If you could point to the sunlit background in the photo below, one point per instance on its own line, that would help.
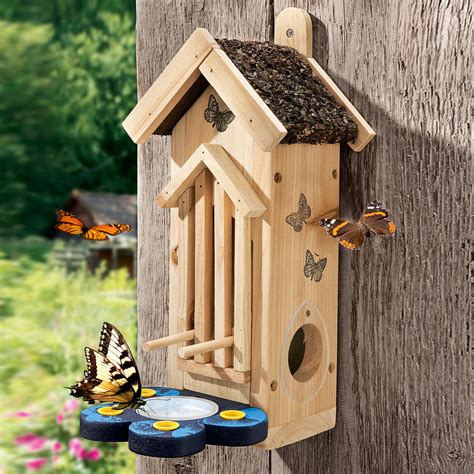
(67, 80)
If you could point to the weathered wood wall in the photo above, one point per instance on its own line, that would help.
(403, 375)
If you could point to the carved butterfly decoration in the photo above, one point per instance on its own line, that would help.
(219, 119)
(298, 219)
(314, 266)
(353, 234)
(112, 374)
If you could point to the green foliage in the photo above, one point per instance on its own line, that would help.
(46, 319)
(68, 81)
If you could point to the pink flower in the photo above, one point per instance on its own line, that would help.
(55, 459)
(71, 405)
(56, 447)
(37, 444)
(81, 453)
(75, 445)
(94, 454)
(25, 439)
(21, 414)
(59, 418)
(36, 464)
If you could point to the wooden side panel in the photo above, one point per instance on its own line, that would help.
(203, 275)
(242, 294)
(223, 274)
(291, 298)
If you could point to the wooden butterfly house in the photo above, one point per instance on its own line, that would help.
(256, 132)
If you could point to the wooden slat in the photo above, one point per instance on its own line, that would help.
(241, 98)
(365, 133)
(213, 157)
(185, 271)
(223, 276)
(170, 87)
(205, 347)
(293, 28)
(203, 281)
(210, 370)
(242, 293)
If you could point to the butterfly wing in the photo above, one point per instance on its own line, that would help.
(222, 120)
(303, 208)
(114, 346)
(295, 220)
(351, 235)
(376, 218)
(212, 109)
(101, 232)
(69, 223)
(112, 374)
(319, 268)
(103, 381)
(309, 265)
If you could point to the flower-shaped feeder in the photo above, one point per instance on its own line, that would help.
(176, 423)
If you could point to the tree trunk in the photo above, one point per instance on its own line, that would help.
(403, 366)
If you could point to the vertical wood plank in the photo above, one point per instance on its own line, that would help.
(223, 276)
(162, 28)
(186, 261)
(203, 267)
(242, 293)
(403, 401)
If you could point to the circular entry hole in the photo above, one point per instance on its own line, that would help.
(304, 353)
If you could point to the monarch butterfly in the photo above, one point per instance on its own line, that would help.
(352, 234)
(70, 224)
(112, 374)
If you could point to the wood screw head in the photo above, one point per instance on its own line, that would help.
(332, 367)
(289, 33)
(277, 177)
(274, 385)
(334, 174)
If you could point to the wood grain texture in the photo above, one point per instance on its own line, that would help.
(162, 28)
(403, 402)
(403, 367)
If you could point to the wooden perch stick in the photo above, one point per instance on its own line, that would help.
(203, 347)
(169, 340)
(327, 215)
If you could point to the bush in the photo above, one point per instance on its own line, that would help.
(46, 319)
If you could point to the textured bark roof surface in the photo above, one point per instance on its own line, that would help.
(284, 80)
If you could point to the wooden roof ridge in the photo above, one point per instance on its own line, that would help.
(220, 164)
(182, 81)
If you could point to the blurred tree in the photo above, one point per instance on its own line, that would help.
(68, 80)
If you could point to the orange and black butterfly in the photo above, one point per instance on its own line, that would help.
(70, 224)
(352, 234)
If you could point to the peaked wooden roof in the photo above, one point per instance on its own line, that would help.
(251, 94)
(218, 162)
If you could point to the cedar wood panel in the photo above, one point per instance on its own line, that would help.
(403, 373)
